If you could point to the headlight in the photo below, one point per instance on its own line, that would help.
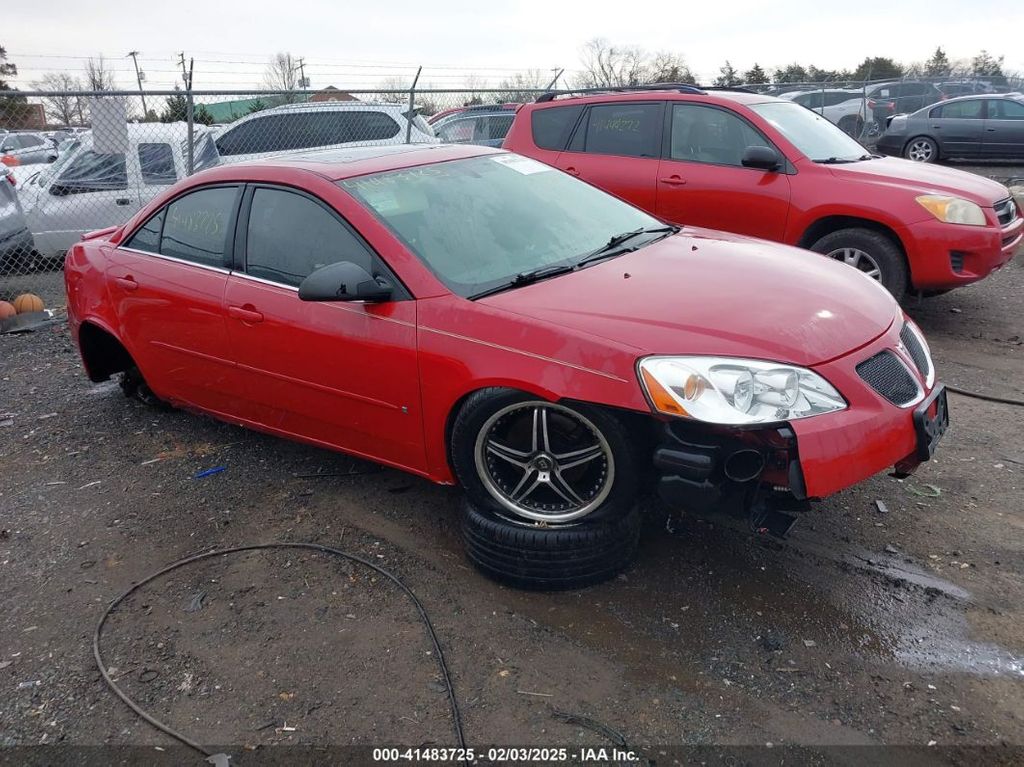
(953, 210)
(728, 390)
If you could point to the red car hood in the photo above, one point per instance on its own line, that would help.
(920, 178)
(705, 292)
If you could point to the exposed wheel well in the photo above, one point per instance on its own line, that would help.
(830, 224)
(102, 353)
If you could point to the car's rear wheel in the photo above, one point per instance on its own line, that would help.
(872, 253)
(921, 149)
(549, 487)
(852, 125)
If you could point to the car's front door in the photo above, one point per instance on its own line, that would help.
(1004, 129)
(958, 127)
(166, 284)
(702, 181)
(342, 374)
(617, 147)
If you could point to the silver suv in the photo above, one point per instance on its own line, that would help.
(27, 148)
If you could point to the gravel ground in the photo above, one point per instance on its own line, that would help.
(861, 629)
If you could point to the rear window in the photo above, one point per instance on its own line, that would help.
(551, 126)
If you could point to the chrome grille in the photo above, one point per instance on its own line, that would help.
(916, 350)
(1006, 211)
(889, 377)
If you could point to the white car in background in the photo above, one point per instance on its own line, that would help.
(86, 190)
(321, 125)
(846, 108)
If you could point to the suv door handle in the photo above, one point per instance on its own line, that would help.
(126, 283)
(673, 180)
(572, 171)
(245, 313)
(122, 201)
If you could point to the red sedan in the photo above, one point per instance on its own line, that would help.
(477, 317)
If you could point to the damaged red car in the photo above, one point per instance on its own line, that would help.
(476, 317)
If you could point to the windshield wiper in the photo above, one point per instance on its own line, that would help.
(841, 160)
(525, 278)
(614, 245)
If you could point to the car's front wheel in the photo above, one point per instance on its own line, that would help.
(921, 149)
(550, 487)
(871, 252)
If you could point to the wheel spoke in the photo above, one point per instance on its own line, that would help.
(578, 457)
(518, 494)
(541, 440)
(851, 256)
(564, 489)
(506, 453)
(874, 274)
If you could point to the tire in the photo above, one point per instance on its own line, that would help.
(921, 149)
(614, 497)
(135, 387)
(852, 125)
(549, 558)
(872, 252)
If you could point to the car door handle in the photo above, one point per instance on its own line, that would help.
(673, 180)
(245, 314)
(991, 130)
(122, 201)
(127, 283)
(572, 171)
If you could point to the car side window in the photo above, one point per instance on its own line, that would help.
(626, 129)
(1005, 109)
(147, 236)
(963, 110)
(706, 134)
(197, 225)
(156, 161)
(250, 137)
(551, 126)
(456, 131)
(94, 172)
(290, 236)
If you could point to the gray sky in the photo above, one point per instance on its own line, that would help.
(360, 43)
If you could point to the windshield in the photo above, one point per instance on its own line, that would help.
(64, 155)
(480, 222)
(811, 133)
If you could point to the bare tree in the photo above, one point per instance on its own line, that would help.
(61, 109)
(474, 83)
(97, 76)
(666, 67)
(522, 86)
(282, 74)
(394, 84)
(611, 66)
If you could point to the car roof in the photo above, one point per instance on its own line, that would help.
(337, 164)
(668, 93)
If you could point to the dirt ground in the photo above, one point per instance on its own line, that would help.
(862, 629)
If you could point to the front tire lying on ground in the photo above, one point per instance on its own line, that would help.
(551, 489)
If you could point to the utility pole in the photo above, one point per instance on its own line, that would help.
(139, 76)
(185, 78)
(558, 73)
(301, 66)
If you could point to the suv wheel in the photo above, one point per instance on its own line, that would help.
(551, 489)
(921, 149)
(870, 252)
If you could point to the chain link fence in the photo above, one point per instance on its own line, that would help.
(76, 161)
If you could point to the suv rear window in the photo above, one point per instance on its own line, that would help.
(551, 126)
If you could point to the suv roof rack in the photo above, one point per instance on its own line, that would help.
(681, 87)
(733, 88)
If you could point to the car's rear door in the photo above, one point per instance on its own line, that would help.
(617, 146)
(1004, 129)
(958, 126)
(702, 182)
(342, 374)
(166, 284)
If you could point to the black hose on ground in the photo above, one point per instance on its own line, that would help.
(139, 711)
(986, 397)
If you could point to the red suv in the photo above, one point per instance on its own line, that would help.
(756, 165)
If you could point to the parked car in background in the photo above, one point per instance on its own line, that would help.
(971, 127)
(26, 148)
(845, 107)
(886, 100)
(16, 244)
(964, 88)
(484, 125)
(86, 190)
(765, 167)
(461, 313)
(297, 127)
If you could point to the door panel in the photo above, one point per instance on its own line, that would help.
(1004, 129)
(343, 374)
(702, 182)
(616, 147)
(958, 127)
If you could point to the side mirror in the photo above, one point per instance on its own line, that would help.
(762, 157)
(344, 281)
